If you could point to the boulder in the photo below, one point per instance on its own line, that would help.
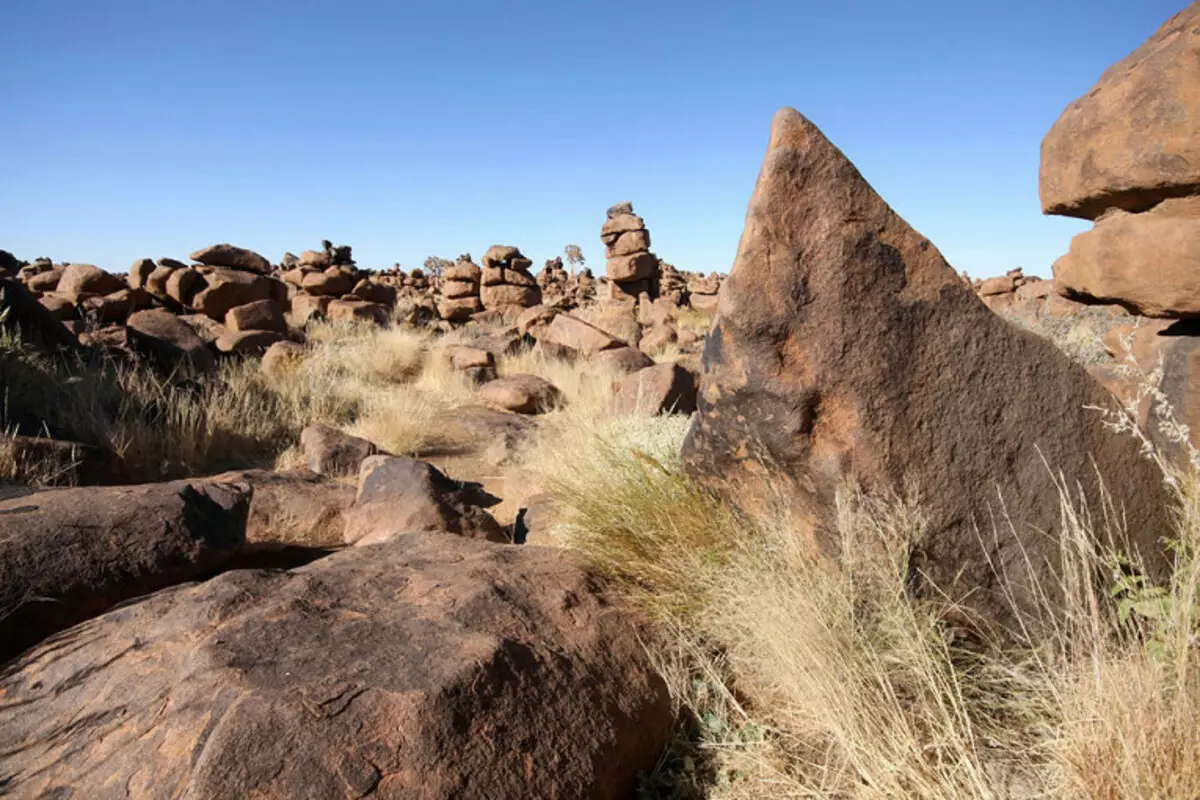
(333, 282)
(329, 451)
(168, 341)
(292, 510)
(261, 315)
(459, 310)
(1036, 289)
(378, 293)
(463, 271)
(534, 320)
(637, 267)
(386, 671)
(358, 311)
(845, 348)
(622, 360)
(1149, 263)
(1134, 139)
(661, 389)
(319, 259)
(524, 394)
(46, 281)
(115, 307)
(139, 272)
(156, 282)
(21, 313)
(1001, 285)
(281, 358)
(247, 342)
(61, 306)
(658, 338)
(402, 495)
(228, 255)
(509, 295)
(495, 276)
(453, 290)
(629, 243)
(615, 226)
(182, 286)
(209, 330)
(306, 306)
(79, 280)
(577, 336)
(67, 555)
(230, 288)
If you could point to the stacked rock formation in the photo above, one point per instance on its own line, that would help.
(507, 286)
(632, 269)
(1005, 291)
(460, 291)
(554, 281)
(326, 283)
(702, 290)
(672, 284)
(1127, 156)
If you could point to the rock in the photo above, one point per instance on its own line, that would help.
(459, 310)
(463, 271)
(320, 259)
(67, 555)
(156, 283)
(1001, 285)
(247, 342)
(333, 282)
(618, 319)
(1034, 290)
(453, 290)
(209, 330)
(658, 338)
(577, 336)
(622, 360)
(139, 272)
(402, 495)
(21, 313)
(182, 286)
(261, 315)
(837, 354)
(641, 266)
(230, 288)
(703, 302)
(524, 394)
(1134, 139)
(661, 389)
(328, 451)
(534, 320)
(289, 261)
(1148, 263)
(281, 358)
(292, 509)
(306, 306)
(501, 255)
(629, 243)
(167, 341)
(227, 255)
(375, 293)
(79, 280)
(358, 311)
(617, 209)
(614, 227)
(46, 281)
(61, 306)
(373, 672)
(508, 295)
(171, 263)
(295, 276)
(463, 357)
(113, 307)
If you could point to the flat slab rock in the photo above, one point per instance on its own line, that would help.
(430, 666)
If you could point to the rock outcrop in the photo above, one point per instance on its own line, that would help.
(845, 347)
(631, 268)
(506, 285)
(430, 666)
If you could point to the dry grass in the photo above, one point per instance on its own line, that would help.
(819, 680)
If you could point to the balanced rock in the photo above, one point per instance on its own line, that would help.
(846, 348)
(506, 282)
(228, 255)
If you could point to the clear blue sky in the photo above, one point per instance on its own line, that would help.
(408, 129)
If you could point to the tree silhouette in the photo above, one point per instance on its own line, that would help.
(574, 256)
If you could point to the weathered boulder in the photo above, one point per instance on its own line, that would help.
(358, 311)
(281, 358)
(230, 288)
(67, 555)
(1134, 139)
(182, 286)
(79, 280)
(402, 495)
(332, 282)
(261, 315)
(247, 342)
(668, 388)
(46, 281)
(1148, 263)
(658, 338)
(524, 394)
(292, 509)
(20, 312)
(168, 341)
(328, 451)
(578, 337)
(623, 360)
(228, 255)
(386, 671)
(845, 347)
(459, 309)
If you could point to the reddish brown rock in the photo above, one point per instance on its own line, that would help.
(182, 286)
(261, 315)
(79, 280)
(1148, 263)
(453, 290)
(661, 389)
(402, 495)
(139, 272)
(247, 342)
(358, 311)
(622, 360)
(838, 353)
(1134, 139)
(385, 671)
(328, 451)
(22, 314)
(658, 338)
(168, 341)
(67, 555)
(524, 394)
(509, 295)
(305, 306)
(576, 336)
(1001, 285)
(230, 288)
(61, 306)
(638, 267)
(628, 243)
(228, 255)
(292, 509)
(459, 310)
(46, 281)
(333, 282)
(281, 358)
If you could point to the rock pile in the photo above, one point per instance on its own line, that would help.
(461, 290)
(326, 283)
(1126, 155)
(631, 268)
(1005, 291)
(506, 285)
(703, 289)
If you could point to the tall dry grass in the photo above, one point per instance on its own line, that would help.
(807, 678)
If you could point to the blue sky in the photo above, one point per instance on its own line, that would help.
(405, 129)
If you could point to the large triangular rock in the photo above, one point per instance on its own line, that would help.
(845, 346)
